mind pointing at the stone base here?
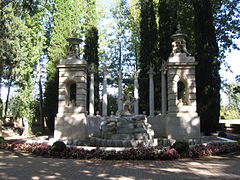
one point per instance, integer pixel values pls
(93, 123)
(183, 126)
(169, 142)
(94, 141)
(70, 126)
(159, 124)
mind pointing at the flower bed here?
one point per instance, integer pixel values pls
(140, 153)
(211, 149)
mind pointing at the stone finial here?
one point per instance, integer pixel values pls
(73, 47)
(179, 29)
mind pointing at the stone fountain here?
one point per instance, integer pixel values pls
(125, 130)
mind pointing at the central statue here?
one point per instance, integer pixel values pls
(128, 102)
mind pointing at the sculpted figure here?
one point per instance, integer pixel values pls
(179, 46)
(128, 104)
(176, 47)
(183, 47)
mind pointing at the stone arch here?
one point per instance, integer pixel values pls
(71, 89)
(182, 91)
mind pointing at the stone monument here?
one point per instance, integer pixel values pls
(71, 120)
(183, 122)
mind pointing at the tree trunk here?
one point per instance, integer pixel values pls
(207, 72)
(41, 105)
(1, 105)
(7, 100)
(26, 131)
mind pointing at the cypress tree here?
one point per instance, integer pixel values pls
(148, 49)
(167, 18)
(207, 73)
(91, 56)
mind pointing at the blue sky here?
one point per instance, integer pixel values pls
(233, 60)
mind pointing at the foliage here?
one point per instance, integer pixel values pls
(226, 20)
(39, 133)
(181, 147)
(120, 45)
(213, 149)
(148, 49)
(134, 27)
(207, 72)
(112, 104)
(222, 134)
(1, 140)
(231, 110)
(58, 146)
(21, 49)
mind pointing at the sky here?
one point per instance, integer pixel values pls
(233, 60)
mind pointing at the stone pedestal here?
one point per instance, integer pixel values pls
(71, 122)
(183, 122)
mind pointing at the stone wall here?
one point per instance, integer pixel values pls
(159, 124)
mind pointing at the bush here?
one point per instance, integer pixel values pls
(39, 133)
(18, 130)
(222, 134)
(181, 147)
(58, 146)
(1, 140)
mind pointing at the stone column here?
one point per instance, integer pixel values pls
(136, 95)
(151, 92)
(163, 90)
(91, 93)
(104, 97)
(120, 94)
